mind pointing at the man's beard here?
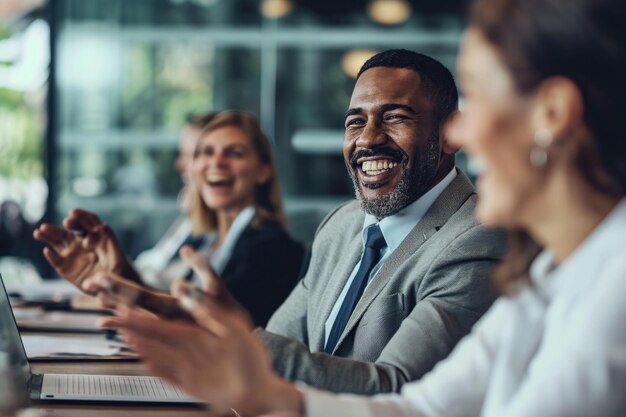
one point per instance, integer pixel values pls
(414, 180)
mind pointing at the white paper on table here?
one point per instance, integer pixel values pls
(46, 346)
(57, 320)
(50, 288)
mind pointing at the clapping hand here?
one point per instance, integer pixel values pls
(216, 359)
(82, 248)
(113, 290)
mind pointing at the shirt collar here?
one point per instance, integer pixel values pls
(579, 270)
(395, 228)
(220, 257)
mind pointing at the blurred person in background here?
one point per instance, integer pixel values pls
(160, 266)
(544, 88)
(16, 236)
(234, 203)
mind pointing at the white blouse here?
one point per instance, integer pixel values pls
(556, 349)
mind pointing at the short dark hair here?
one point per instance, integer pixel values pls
(437, 80)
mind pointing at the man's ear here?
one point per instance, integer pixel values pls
(558, 108)
(448, 147)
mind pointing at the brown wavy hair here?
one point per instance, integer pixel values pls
(268, 201)
(581, 40)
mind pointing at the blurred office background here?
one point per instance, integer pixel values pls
(94, 93)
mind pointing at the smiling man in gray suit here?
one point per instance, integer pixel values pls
(398, 276)
(429, 282)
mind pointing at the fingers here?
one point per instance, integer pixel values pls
(115, 291)
(188, 294)
(106, 301)
(97, 234)
(142, 325)
(57, 237)
(208, 312)
(160, 358)
(200, 307)
(127, 319)
(70, 266)
(169, 349)
(96, 284)
(166, 346)
(211, 312)
(91, 240)
(161, 304)
(52, 258)
(112, 290)
(101, 289)
(81, 220)
(211, 282)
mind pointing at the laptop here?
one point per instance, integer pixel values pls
(76, 387)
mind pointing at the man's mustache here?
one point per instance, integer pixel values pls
(394, 154)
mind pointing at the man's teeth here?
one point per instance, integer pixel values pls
(376, 167)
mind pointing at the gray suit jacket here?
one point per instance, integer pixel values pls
(425, 297)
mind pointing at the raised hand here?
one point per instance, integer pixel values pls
(115, 291)
(84, 247)
(66, 253)
(98, 238)
(218, 361)
(215, 290)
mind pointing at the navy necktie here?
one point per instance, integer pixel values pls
(374, 243)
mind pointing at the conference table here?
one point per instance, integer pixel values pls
(95, 367)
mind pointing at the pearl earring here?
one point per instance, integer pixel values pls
(539, 153)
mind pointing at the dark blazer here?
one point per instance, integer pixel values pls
(263, 269)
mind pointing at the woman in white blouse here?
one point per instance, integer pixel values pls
(544, 86)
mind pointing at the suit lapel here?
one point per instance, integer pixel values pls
(347, 259)
(450, 200)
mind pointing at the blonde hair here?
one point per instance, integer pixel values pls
(267, 198)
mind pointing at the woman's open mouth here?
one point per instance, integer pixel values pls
(215, 180)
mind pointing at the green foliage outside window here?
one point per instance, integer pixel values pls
(20, 130)
(20, 137)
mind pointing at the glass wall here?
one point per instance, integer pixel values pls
(129, 73)
(24, 61)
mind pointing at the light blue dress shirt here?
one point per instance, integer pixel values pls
(394, 228)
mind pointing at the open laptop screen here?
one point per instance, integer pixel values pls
(10, 340)
(112, 388)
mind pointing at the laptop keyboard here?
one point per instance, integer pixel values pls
(145, 387)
